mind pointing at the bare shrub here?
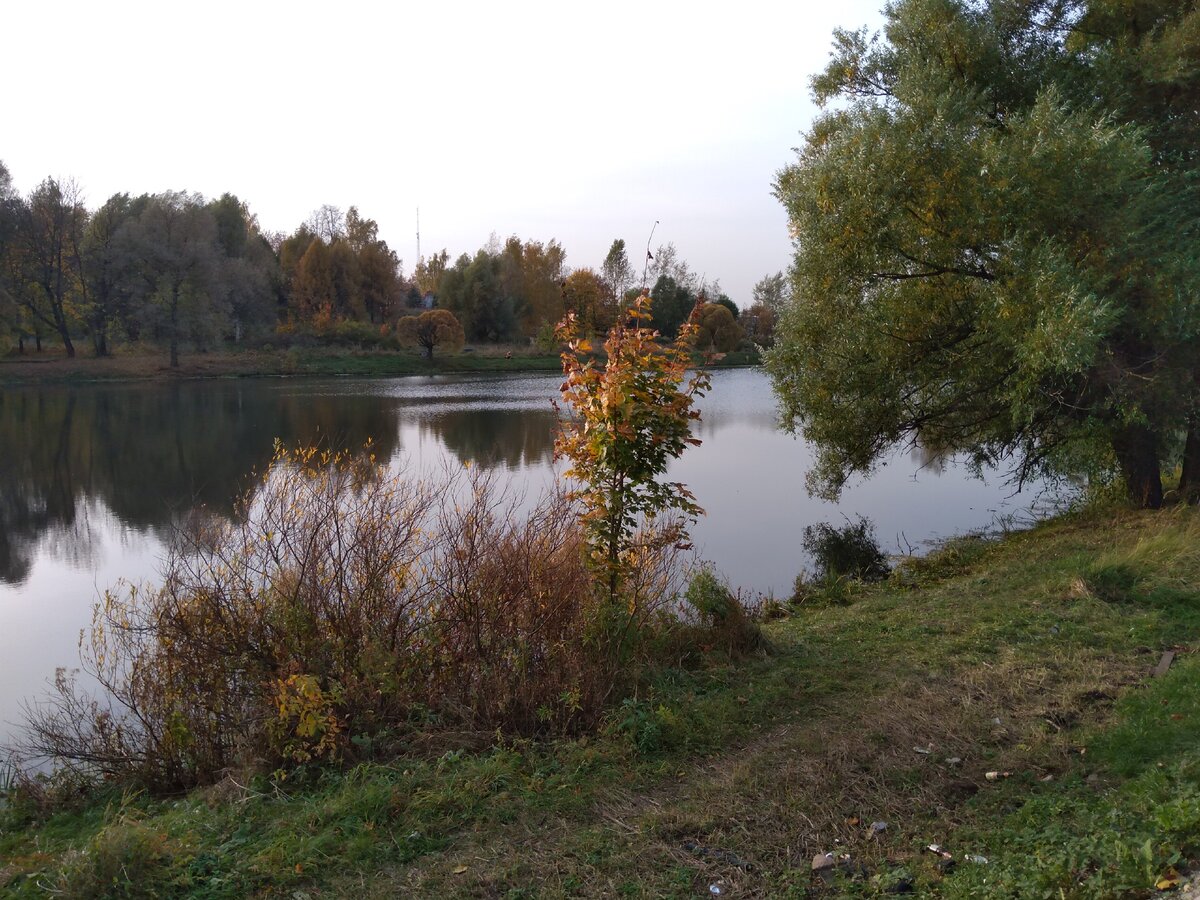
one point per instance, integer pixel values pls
(343, 601)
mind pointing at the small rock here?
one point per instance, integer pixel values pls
(953, 760)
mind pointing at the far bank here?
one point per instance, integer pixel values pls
(56, 368)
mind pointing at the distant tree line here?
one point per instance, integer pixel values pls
(179, 270)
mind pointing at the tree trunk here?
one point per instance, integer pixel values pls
(1136, 447)
(1189, 480)
(175, 326)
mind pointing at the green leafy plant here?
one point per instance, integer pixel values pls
(847, 552)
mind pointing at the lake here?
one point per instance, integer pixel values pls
(95, 478)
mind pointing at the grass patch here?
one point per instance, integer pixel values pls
(1028, 656)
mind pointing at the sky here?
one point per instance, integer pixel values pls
(577, 122)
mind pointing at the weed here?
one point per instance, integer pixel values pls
(847, 552)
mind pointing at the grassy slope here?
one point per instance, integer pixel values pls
(1029, 656)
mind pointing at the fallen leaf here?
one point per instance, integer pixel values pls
(458, 870)
(1169, 880)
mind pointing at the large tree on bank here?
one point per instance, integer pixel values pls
(996, 221)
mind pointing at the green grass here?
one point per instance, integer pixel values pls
(1028, 656)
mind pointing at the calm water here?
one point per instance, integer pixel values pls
(93, 479)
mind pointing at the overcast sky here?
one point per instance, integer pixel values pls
(581, 122)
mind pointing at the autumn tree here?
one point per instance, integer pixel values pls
(108, 270)
(10, 204)
(716, 329)
(726, 301)
(995, 222)
(428, 273)
(434, 328)
(759, 322)
(380, 289)
(180, 267)
(631, 418)
(50, 228)
(586, 296)
(531, 275)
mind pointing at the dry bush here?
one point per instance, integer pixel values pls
(344, 601)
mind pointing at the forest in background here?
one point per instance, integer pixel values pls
(180, 271)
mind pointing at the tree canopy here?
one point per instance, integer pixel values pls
(995, 220)
(431, 329)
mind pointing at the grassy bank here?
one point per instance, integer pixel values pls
(52, 367)
(1028, 658)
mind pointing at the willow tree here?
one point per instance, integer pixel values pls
(994, 249)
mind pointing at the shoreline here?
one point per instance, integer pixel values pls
(308, 363)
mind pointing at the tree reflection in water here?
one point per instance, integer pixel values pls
(151, 454)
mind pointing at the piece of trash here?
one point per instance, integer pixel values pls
(953, 760)
(1054, 629)
(1092, 779)
(1047, 778)
(939, 850)
(996, 721)
(976, 858)
(823, 861)
(876, 828)
(714, 889)
(458, 870)
(725, 856)
(923, 750)
(1164, 663)
(853, 821)
(996, 776)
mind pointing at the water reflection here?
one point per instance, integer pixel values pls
(93, 479)
(150, 454)
(491, 437)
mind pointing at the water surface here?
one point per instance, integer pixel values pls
(95, 478)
